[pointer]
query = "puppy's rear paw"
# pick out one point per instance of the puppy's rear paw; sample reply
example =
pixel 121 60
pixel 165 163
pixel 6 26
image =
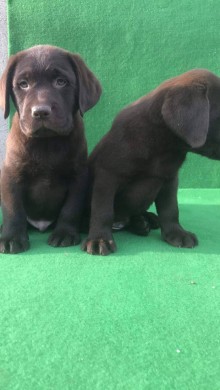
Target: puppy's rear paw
pixel 63 239
pixel 99 246
pixel 181 238
pixel 139 225
pixel 152 219
pixel 14 245
pixel 142 224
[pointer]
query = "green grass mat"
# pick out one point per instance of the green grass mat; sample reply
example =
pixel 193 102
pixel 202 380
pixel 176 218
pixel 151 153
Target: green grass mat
pixel 146 317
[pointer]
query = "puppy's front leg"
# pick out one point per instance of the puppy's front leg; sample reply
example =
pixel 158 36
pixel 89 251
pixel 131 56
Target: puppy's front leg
pixel 100 240
pixel 66 232
pixel 167 208
pixel 14 237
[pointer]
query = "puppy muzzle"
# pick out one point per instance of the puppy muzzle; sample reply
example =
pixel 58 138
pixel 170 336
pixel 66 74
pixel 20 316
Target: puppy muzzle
pixel 45 122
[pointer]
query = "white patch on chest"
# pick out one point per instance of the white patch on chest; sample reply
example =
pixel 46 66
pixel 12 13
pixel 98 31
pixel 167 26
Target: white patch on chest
pixel 41 225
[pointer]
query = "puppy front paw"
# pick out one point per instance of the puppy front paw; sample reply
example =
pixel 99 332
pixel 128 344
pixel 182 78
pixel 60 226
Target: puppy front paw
pixel 63 238
pixel 99 246
pixel 12 245
pixel 180 238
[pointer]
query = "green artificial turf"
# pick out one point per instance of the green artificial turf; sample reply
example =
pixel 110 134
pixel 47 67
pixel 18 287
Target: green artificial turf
pixel 146 317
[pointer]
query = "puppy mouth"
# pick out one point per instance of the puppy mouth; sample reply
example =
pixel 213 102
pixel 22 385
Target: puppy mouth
pixel 45 131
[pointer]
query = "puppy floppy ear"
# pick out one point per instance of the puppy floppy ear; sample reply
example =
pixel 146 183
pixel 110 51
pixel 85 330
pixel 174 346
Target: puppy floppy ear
pixel 89 87
pixel 186 111
pixel 6 85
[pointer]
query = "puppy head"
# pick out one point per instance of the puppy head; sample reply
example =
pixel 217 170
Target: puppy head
pixel 186 110
pixel 48 85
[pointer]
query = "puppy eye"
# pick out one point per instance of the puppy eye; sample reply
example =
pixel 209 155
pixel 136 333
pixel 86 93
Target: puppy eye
pixel 60 82
pixel 23 84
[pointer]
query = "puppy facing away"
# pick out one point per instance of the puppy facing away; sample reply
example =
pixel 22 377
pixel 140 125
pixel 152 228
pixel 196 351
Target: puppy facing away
pixel 137 161
pixel 44 175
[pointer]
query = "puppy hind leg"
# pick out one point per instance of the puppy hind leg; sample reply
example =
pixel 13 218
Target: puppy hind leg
pixel 134 202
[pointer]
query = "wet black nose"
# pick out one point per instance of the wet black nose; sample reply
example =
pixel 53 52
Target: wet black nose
pixel 41 112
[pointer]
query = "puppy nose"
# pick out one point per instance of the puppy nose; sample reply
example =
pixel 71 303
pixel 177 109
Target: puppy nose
pixel 40 112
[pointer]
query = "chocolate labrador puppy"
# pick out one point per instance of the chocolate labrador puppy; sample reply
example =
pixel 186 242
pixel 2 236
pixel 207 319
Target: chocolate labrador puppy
pixel 137 161
pixel 44 176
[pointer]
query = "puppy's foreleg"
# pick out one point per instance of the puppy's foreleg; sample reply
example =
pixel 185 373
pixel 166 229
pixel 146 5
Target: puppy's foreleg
pixel 167 208
pixel 66 232
pixel 14 237
pixel 100 240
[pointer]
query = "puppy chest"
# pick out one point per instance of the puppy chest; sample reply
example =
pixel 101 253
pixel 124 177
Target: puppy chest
pixel 48 168
pixel 45 189
pixel 43 198
pixel 46 157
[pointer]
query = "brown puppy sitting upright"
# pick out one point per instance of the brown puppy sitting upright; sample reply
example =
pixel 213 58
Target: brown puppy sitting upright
pixel 137 162
pixel 44 176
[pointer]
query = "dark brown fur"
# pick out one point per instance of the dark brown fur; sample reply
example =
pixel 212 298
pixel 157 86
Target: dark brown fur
pixel 137 161
pixel 44 176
